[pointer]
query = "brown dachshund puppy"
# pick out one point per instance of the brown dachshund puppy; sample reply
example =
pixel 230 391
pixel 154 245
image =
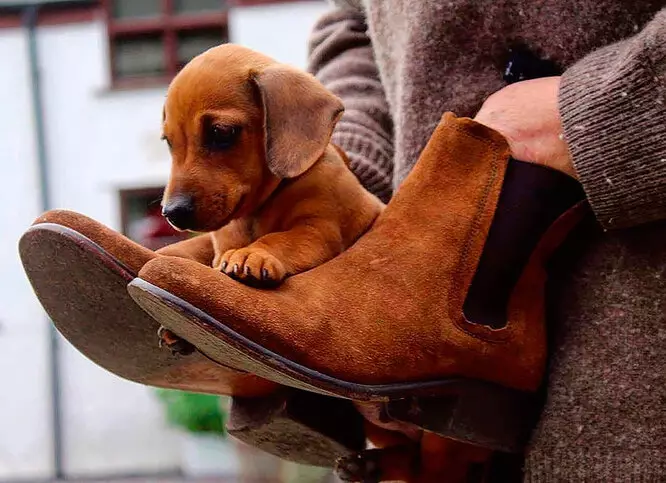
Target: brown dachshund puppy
pixel 253 163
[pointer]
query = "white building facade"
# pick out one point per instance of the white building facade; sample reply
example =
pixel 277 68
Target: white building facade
pixel 101 136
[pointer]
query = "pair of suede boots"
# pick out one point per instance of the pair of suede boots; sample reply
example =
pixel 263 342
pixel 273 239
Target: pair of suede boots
pixel 432 323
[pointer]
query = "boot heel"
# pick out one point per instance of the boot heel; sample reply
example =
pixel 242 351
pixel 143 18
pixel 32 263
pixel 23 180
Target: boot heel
pixel 305 428
pixel 483 414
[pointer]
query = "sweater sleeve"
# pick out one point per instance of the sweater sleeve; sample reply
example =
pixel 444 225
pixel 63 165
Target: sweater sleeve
pixel 613 109
pixel 341 57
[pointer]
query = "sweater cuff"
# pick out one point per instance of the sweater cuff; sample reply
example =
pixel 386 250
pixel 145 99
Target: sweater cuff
pixel 576 464
pixel 613 109
pixel 369 163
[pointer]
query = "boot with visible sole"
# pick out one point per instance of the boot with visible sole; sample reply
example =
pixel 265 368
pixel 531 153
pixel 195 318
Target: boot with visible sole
pixel 82 285
pixel 443 297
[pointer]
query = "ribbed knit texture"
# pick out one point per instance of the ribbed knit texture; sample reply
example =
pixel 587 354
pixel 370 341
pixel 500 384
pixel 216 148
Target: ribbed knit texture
pixel 365 130
pixel 613 106
pixel 613 466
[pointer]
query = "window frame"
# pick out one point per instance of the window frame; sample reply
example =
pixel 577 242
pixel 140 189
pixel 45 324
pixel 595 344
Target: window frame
pixel 125 196
pixel 168 25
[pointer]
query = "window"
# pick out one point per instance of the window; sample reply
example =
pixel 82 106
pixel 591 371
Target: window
pixel 142 221
pixel 151 40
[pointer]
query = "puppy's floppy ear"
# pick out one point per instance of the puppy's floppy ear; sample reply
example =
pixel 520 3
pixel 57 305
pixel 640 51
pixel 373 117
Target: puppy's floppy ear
pixel 299 116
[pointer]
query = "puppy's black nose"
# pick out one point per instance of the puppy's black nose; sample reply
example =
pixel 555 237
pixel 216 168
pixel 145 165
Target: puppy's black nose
pixel 180 212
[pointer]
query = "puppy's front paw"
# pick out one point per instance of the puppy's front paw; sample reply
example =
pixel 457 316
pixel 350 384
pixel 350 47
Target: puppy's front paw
pixel 253 266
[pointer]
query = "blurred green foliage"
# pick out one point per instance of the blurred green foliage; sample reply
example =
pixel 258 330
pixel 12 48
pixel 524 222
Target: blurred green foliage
pixel 197 413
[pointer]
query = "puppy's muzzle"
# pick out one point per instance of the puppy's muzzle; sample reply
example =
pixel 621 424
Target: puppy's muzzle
pixel 179 211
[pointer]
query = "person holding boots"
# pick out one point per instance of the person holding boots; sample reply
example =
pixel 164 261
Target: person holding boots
pixel 399 65
pixel 521 151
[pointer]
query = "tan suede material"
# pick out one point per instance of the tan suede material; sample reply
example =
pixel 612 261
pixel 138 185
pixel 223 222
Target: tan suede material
pixel 130 253
pixel 199 248
pixel 369 302
pixel 88 324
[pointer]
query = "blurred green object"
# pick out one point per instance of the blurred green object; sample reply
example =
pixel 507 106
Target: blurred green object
pixel 196 413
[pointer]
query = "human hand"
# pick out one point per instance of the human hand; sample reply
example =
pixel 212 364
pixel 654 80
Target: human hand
pixel 526 114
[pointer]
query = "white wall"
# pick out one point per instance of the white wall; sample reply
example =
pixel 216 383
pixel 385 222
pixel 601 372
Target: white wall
pixel 97 142
pixel 280 31
pixel 24 417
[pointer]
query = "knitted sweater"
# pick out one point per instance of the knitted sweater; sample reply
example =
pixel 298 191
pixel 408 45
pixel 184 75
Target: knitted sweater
pixel 399 64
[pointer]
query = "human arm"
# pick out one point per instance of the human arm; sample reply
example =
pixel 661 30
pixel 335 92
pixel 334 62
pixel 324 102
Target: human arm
pixel 603 121
pixel 341 57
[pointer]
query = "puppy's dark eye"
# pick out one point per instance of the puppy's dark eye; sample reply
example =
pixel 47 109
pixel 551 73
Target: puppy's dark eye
pixel 219 137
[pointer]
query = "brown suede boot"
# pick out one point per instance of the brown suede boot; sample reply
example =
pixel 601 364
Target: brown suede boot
pixel 444 296
pixel 79 270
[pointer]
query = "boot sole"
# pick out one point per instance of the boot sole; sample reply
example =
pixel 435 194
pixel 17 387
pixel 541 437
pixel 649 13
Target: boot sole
pixel 298 426
pixel 84 291
pixel 468 410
